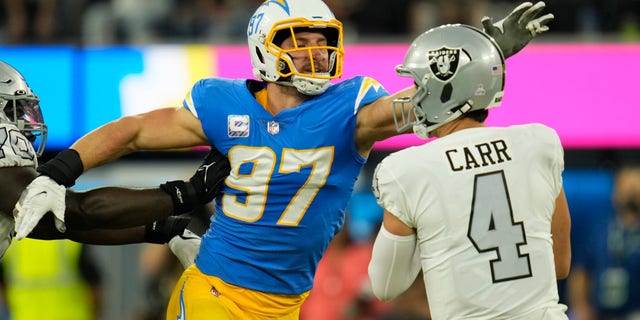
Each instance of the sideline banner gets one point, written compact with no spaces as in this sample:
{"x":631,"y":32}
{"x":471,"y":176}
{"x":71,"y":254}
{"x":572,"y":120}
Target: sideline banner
{"x":585,"y":91}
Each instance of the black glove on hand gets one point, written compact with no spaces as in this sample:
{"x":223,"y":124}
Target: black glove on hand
{"x":161,"y":231}
{"x":518,"y":28}
{"x":203,"y":186}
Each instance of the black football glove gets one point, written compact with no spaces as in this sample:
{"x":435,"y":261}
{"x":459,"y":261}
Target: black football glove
{"x":161,"y":231}
{"x":186,"y":245}
{"x":203,"y":186}
{"x":518,"y":28}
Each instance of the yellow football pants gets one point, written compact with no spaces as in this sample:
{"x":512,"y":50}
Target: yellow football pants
{"x":197,"y":296}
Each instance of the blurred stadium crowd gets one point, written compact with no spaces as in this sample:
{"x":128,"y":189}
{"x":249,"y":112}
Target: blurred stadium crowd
{"x":104,"y":22}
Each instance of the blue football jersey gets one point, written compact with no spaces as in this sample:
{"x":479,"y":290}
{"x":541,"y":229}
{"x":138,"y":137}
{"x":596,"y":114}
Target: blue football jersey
{"x":291,"y":179}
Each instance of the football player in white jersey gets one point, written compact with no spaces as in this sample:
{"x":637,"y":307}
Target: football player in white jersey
{"x":91,"y":215}
{"x":480,"y":210}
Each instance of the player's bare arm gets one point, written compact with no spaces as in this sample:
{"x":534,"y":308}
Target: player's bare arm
{"x":376,"y":122}
{"x":114,"y":207}
{"x":160,"y":129}
{"x":86,"y":210}
{"x":560,"y":234}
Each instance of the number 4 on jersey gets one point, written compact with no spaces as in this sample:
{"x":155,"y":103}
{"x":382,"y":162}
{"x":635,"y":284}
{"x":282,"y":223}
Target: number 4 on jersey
{"x":492,"y":228}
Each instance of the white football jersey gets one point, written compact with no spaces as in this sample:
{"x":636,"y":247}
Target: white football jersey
{"x":481,"y":201}
{"x":15,"y":149}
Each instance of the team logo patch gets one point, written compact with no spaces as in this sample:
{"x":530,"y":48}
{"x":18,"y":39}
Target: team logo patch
{"x":238,"y":126}
{"x":273,"y":127}
{"x":281,"y":3}
{"x":444,"y":62}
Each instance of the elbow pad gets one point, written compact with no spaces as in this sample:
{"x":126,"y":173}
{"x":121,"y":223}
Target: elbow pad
{"x":395,"y":263}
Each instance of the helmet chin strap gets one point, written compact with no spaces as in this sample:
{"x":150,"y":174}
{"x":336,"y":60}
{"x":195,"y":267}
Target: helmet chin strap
{"x":309,"y":86}
{"x":420,"y":130}
{"x":424,"y":132}
{"x":305,"y":84}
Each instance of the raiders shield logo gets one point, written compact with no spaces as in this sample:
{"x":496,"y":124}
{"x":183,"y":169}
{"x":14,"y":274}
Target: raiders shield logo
{"x":444,"y":62}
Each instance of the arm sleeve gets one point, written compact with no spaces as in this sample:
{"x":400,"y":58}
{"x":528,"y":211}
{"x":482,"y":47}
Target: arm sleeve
{"x":394,"y":265}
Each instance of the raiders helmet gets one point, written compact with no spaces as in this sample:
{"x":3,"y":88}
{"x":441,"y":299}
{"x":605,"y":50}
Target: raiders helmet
{"x":20,"y":107}
{"x":456,"y":69}
{"x":276,"y":20}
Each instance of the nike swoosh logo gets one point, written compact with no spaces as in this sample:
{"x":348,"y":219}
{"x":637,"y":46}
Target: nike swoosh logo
{"x":189,"y":237}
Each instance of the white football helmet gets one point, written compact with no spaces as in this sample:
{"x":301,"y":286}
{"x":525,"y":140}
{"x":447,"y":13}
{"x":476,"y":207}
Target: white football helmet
{"x":276,"y":20}
{"x":457,"y":69}
{"x":20,"y":106}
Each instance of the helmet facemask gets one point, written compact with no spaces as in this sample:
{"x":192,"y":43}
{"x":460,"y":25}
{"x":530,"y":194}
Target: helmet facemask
{"x":26,"y":115}
{"x":314,"y":79}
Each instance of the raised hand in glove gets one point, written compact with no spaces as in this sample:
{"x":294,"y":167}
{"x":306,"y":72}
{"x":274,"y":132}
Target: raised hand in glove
{"x":518,"y":28}
{"x":41,"y":196}
{"x":202,"y":187}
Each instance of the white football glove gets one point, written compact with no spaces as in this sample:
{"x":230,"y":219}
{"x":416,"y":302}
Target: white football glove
{"x":41,"y":196}
{"x":518,"y":28}
{"x":185,"y":247}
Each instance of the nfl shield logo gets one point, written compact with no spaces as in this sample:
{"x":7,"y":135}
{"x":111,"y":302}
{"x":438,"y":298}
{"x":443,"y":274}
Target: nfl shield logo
{"x":273,"y":127}
{"x":444,"y":62}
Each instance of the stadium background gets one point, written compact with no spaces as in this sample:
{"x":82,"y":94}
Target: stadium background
{"x":576,"y":78}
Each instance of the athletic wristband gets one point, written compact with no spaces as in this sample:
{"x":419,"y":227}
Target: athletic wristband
{"x":183,"y":195}
{"x":64,"y":168}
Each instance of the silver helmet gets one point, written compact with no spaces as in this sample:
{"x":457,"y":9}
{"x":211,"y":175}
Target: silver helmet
{"x":276,"y":20}
{"x":20,"y":107}
{"x":456,"y":69}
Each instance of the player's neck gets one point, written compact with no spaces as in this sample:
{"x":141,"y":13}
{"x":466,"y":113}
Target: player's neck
{"x":281,"y":97}
{"x":457,"y":125}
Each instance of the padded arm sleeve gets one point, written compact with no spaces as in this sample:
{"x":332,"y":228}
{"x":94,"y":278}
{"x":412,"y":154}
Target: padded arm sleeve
{"x":394,"y":266}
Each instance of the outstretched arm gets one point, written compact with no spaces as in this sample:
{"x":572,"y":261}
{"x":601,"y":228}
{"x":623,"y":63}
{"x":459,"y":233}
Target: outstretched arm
{"x":160,"y":129}
{"x":115,"y":207}
{"x":90,"y":210}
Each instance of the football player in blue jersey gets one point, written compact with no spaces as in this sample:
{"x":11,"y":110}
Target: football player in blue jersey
{"x":296,"y":144}
{"x":91,"y":215}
